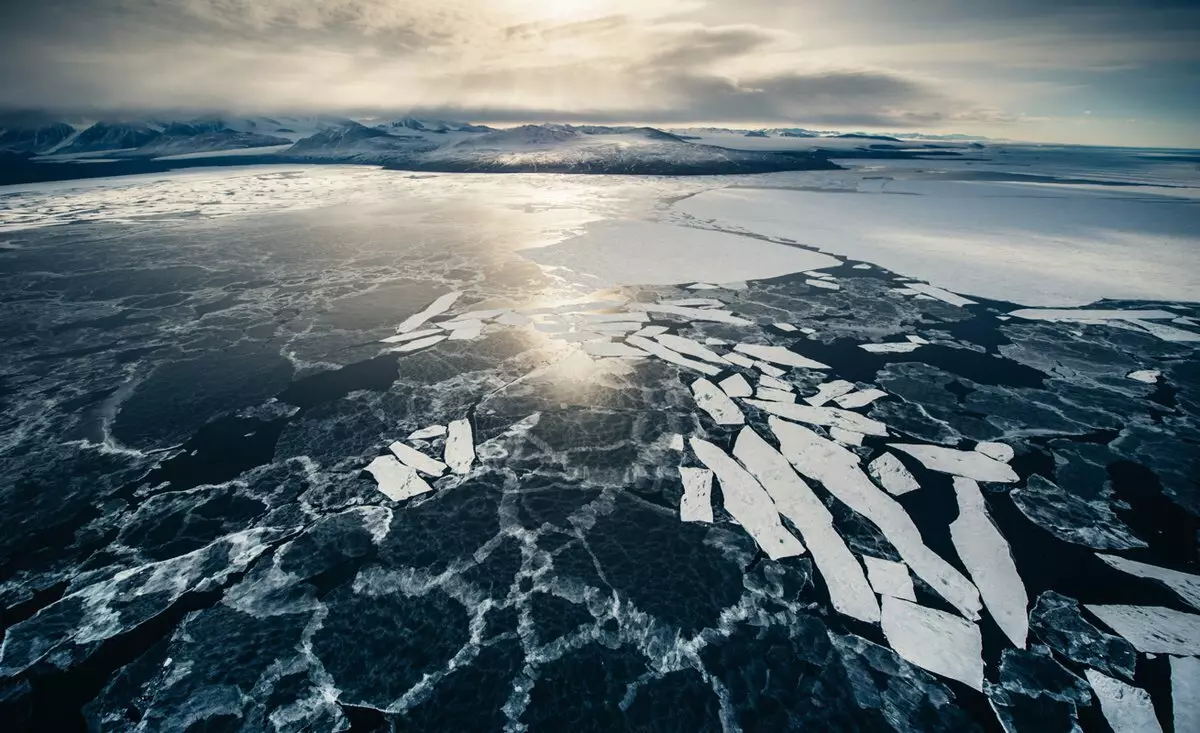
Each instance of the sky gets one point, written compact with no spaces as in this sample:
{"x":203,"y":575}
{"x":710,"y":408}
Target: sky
{"x":1075,"y":71}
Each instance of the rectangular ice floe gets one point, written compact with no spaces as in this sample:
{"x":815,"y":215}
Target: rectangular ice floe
{"x":460,"y":446}
{"x":785,"y":327}
{"x":736,"y":386}
{"x":464,"y":330}
{"x":1127,"y":709}
{"x":779,"y":355}
{"x":890,"y":578}
{"x":823,"y":284}
{"x":436,"y":308}
{"x":837,"y":469}
{"x":411,"y":336}
{"x":774,"y":383}
{"x":862,"y":398}
{"x":1185,"y":693}
{"x":996,"y":451}
{"x":893,"y":347}
{"x":696,"y":503}
{"x":689,"y":347}
{"x":433,"y":431}
{"x":739,"y":360}
{"x":775,"y":395}
{"x":636,"y":316}
{"x":418,"y":344}
{"x":609,"y":348}
{"x":828,"y":416}
{"x":716,"y":403}
{"x":986,"y":556}
{"x":1167,"y":333}
{"x":828,"y":391}
{"x":396,"y":480}
{"x":1185,"y":585}
{"x":943,"y":295}
{"x":965,"y":463}
{"x":846,"y":437}
{"x":890,"y":473}
{"x":1153,"y":629}
{"x":748,"y":502}
{"x":934,"y":640}
{"x":1086,"y":314}
{"x":1146,"y":376}
{"x":416,"y":459}
{"x":848,"y":588}
{"x":674,"y":357}
{"x":767,"y":369}
{"x":692,"y":314}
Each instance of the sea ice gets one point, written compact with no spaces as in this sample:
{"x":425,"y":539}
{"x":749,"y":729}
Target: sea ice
{"x":716,"y":403}
{"x":676,"y":442}
{"x":622,"y":317}
{"x":848,"y":588}
{"x":739,"y":360}
{"x":1165,"y":332}
{"x":862,"y":266}
{"x":651,"y":331}
{"x":917,"y":339}
{"x":710,"y":341}
{"x":416,"y":459}
{"x":861,"y":398}
{"x":773,"y":383}
{"x":418,"y":344}
{"x":1149,"y":376}
{"x":1071,"y":518}
{"x":893,"y":347}
{"x":509,"y":318}
{"x":460,"y":446}
{"x":767,"y":369}
{"x":818,"y":274}
{"x":986,"y":555}
{"x":484,"y":315}
{"x":692,"y":314}
{"x":775,"y":395}
{"x":410,"y":336}
{"x":846,"y":437}
{"x":703,"y":286}
{"x":690,"y":348}
{"x":934,"y":640}
{"x":464,"y":330}
{"x":1185,"y":693}
{"x":433,"y":431}
{"x":396,"y":480}
{"x":996,"y":451}
{"x":890,"y":578}
{"x":1185,"y":585}
{"x":748,"y":502}
{"x":736,"y":386}
{"x":828,"y":416}
{"x":1127,"y":709}
{"x":1089,"y":314}
{"x":666,"y":354}
{"x":779,"y":355}
{"x":890,"y":473}
{"x":967,"y":464}
{"x":1058,"y":621}
{"x":940,"y":294}
{"x":825,"y":284}
{"x":1153,"y":629}
{"x":785,"y":327}
{"x":611,"y":348}
{"x":436,"y":308}
{"x":694,"y":302}
{"x":696,"y":503}
{"x":828,"y":391}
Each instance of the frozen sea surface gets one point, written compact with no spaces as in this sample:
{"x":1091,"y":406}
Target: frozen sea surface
{"x":206,"y":523}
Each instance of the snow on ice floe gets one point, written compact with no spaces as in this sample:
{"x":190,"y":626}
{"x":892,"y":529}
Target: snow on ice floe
{"x":823,"y":284}
{"x":416,"y":459}
{"x":838,"y":471}
{"x":774,"y":383}
{"x":1148,"y":376}
{"x":848,"y":588}
{"x":1167,"y":333}
{"x":650,"y":331}
{"x":716,"y":403}
{"x":460,"y":446}
{"x":610,"y":348}
{"x":775,"y":395}
{"x":396,"y":480}
{"x":891,"y":347}
{"x":692,"y":314}
{"x":748,"y":503}
{"x":846,"y":437}
{"x":779,"y":355}
{"x":1153,"y":629}
{"x":466,"y":330}
{"x":418,"y":344}
{"x":696,"y":503}
{"x":1185,"y":585}
{"x":662,"y":352}
{"x":890,"y":473}
{"x":1072,"y":518}
{"x":986,"y":555}
{"x":676,"y":442}
{"x":736,"y":386}
{"x":890,"y":578}
{"x":694,"y":302}
{"x":1127,"y":709}
{"x":826,"y":416}
{"x":411,"y":336}
{"x":859,"y":399}
{"x":940,"y":294}
{"x":996,"y":451}
{"x":1185,"y":693}
{"x":862,"y":266}
{"x":785,"y":327}
{"x":636,"y":316}
{"x":967,"y":464}
{"x":829,"y":391}
{"x":1086,"y":314}
{"x":767,"y":369}
{"x":436,"y":308}
{"x":689,"y":347}
{"x":933,"y":640}
{"x":433,"y":431}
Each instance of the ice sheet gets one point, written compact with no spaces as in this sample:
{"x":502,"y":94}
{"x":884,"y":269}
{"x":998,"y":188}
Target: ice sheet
{"x":433,"y":431}
{"x":967,"y":464}
{"x":890,"y":578}
{"x":779,"y":355}
{"x":828,"y":416}
{"x":1185,"y":585}
{"x":986,"y":555}
{"x":775,"y":395}
{"x":846,"y":437}
{"x":692,"y":314}
{"x":1153,"y":629}
{"x":1127,"y":709}
{"x":774,"y":383}
{"x":891,"y":347}
{"x":716,"y":403}
{"x":933,"y":640}
{"x":696,"y":503}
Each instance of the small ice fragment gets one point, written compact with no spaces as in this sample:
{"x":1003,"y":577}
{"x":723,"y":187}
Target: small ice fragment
{"x":997,"y":451}
{"x":986,"y":556}
{"x":817,"y":273}
{"x":890,"y":473}
{"x":862,"y":266}
{"x":808,"y":331}
{"x":916,"y":339}
{"x":1127,"y":709}
{"x":436,"y":308}
{"x":433,"y":431}
{"x":828,"y":391}
{"x":666,"y":354}
{"x":396,"y":480}
{"x":1003,"y":318}
{"x":696,"y":503}
{"x":460,"y":446}
{"x":651,"y":331}
{"x":710,"y":341}
{"x":786,"y":327}
{"x":823,"y":284}
{"x":827,"y":416}
{"x":1149,"y":376}
{"x":767,"y":369}
{"x":692,"y":314}
{"x":846,"y":437}
{"x":773,"y":383}
{"x":739,"y":360}
{"x":464,"y":330}
{"x":716,"y":403}
{"x":1153,"y":629}
{"x":610,"y":348}
{"x":968,"y":464}
{"x":890,"y":578}
{"x":694,"y":302}
{"x":1185,"y":585}
{"x":703,"y":286}
{"x":775,"y":395}
{"x":689,"y":347}
{"x":736,"y":386}
{"x":412,"y":335}
{"x":934,"y":640}
{"x":748,"y":502}
{"x":1185,"y":693}
{"x":778,"y":355}
{"x":940,"y":294}
{"x":676,"y":442}
{"x":418,"y":344}
{"x":509,"y":318}
{"x":861,"y":398}
{"x":891,"y":347}
{"x":418,"y":460}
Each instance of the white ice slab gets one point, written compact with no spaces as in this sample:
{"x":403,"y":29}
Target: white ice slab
{"x":464,"y":330}
{"x":986,"y":555}
{"x":892,"y":347}
{"x":890,"y":578}
{"x":967,"y":464}
{"x":703,"y":286}
{"x":1153,"y":629}
{"x":1167,"y":333}
{"x":676,"y":442}
{"x":934,"y":640}
{"x":1089,"y":314}
{"x":580,"y":337}
{"x":1149,"y":376}
{"x":767,"y":369}
{"x":996,"y":451}
{"x":1185,"y":585}
{"x":824,"y":284}
{"x":736,"y":386}
{"x":1185,"y":693}
{"x":808,"y":331}
{"x":830,"y":390}
{"x":696,"y":503}
{"x":410,"y":336}
{"x":688,"y":347}
{"x":509,"y":318}
{"x":848,"y":588}
{"x":1127,"y":709}
{"x":418,"y":344}
{"x":460,"y":446}
{"x":484,"y":315}
{"x":716,"y":403}
{"x":396,"y":480}
{"x":775,"y":395}
{"x":436,"y":308}
{"x":862,"y":398}
{"x":674,"y":357}
{"x":940,"y":294}
{"x":739,"y":360}
{"x":694,"y":302}
{"x":828,"y":416}
{"x":692,"y":314}
{"x":890,"y":473}
{"x":846,"y":437}
{"x":779,"y":355}
{"x":410,"y":456}
{"x":785,"y":327}
{"x":651,"y":331}
{"x":433,"y":431}
{"x":610,"y":348}
{"x":748,"y":502}
{"x":837,"y":469}
{"x":615,"y":327}
{"x":862,"y":266}
{"x":774,"y":383}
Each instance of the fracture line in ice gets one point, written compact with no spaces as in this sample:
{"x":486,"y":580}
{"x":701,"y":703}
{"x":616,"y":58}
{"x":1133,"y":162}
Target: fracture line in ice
{"x":829,"y":391}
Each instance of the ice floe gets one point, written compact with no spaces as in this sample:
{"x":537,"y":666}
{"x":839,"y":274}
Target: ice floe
{"x":1153,"y":629}
{"x":739,"y":360}
{"x":933,"y":640}
{"x":838,"y":471}
{"x":411,"y":336}
{"x":1071,"y":518}
{"x":890,"y":578}
{"x":1149,"y":376}
{"x":1058,"y":621}
{"x":967,"y":464}
{"x":622,"y":317}
{"x":464,"y":330}
{"x":775,"y":395}
{"x":778,"y":355}
{"x":433,"y":431}
{"x":692,"y":314}
{"x":610,"y":348}
{"x":1185,"y":585}
{"x":419,"y":344}
{"x":848,"y":588}
{"x":460,"y":446}
{"x":716,"y":403}
{"x":1185,"y":693}
{"x":482,"y":315}
{"x":940,"y":294}
{"x":767,"y":369}
{"x":748,"y":502}
{"x":436,"y":308}
{"x":1127,"y":709}
{"x":689,"y":347}
{"x":509,"y":318}
{"x":890,"y":473}
{"x":986,"y":555}
{"x":827,"y":416}
{"x":396,"y":480}
{"x":1086,"y":314}
{"x":694,"y":302}
{"x":711,"y":341}
{"x":1165,"y":332}
{"x":828,"y":391}
{"x":846,"y":437}
{"x":785,"y":327}
{"x":774,"y":383}
{"x":416,"y":459}
{"x":824,"y":284}
{"x":650,"y":331}
{"x":858,"y":399}
{"x":676,"y":442}
{"x":862,"y":266}
{"x":674,"y":357}
{"x":696,"y":503}
{"x":736,"y":386}
{"x":892,"y":347}
{"x":996,"y":451}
